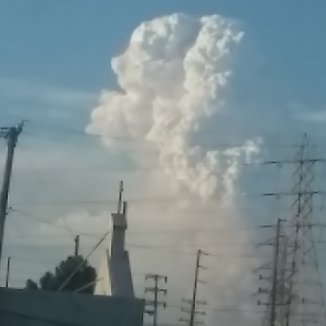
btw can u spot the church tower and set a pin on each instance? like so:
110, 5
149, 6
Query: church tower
115, 273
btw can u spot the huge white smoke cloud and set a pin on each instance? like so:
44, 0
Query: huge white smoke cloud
172, 79
172, 95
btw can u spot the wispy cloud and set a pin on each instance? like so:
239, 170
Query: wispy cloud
25, 90
319, 116
301, 112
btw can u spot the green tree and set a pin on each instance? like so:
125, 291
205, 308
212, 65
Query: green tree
83, 279
31, 285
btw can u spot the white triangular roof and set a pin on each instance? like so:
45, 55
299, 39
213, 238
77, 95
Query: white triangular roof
103, 286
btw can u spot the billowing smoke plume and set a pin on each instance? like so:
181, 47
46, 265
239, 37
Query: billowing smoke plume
172, 80
172, 95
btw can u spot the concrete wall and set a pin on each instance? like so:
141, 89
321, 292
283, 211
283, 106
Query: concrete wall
40, 308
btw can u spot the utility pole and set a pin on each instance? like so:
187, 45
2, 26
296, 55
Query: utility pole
155, 290
185, 308
275, 273
274, 314
198, 266
10, 134
8, 272
76, 240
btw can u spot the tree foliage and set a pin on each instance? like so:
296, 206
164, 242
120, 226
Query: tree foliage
51, 281
31, 285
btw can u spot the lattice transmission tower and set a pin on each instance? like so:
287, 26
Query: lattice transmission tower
296, 287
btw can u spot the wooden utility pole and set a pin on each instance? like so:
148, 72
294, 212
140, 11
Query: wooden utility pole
274, 273
274, 295
194, 293
77, 239
155, 303
187, 310
11, 135
8, 272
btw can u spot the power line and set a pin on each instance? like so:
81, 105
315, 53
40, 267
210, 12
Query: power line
221, 309
67, 280
30, 244
301, 283
134, 201
45, 189
84, 133
131, 233
134, 245
24, 259
137, 232
39, 219
159, 250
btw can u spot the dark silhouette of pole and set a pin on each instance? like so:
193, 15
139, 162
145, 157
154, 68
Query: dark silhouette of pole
77, 240
194, 293
8, 272
11, 135
155, 300
187, 310
275, 274
120, 197
155, 303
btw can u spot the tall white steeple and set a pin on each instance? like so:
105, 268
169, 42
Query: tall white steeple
115, 274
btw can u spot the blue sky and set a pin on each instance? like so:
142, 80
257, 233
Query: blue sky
55, 59
66, 45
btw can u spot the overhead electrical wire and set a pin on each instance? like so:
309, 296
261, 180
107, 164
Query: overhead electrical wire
153, 231
67, 280
135, 200
41, 220
221, 309
83, 133
43, 184
31, 245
